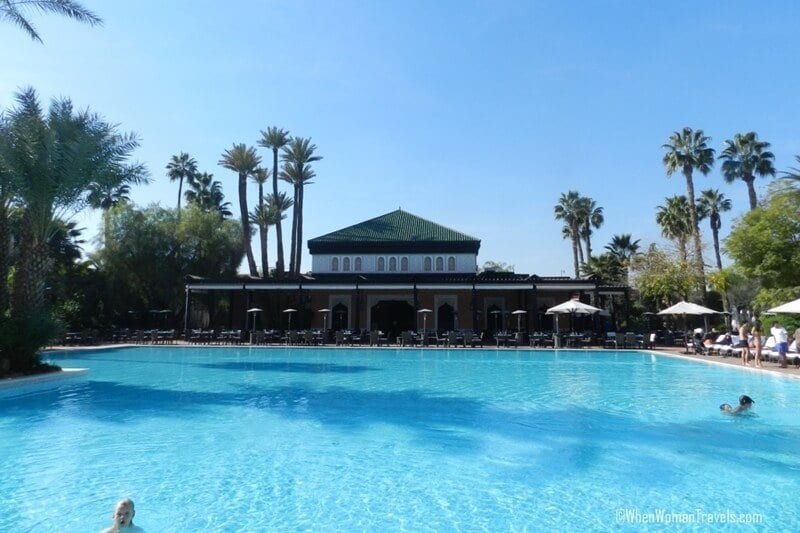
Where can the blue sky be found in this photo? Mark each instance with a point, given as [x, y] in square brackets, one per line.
[475, 114]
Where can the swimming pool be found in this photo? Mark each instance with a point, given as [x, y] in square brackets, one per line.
[247, 439]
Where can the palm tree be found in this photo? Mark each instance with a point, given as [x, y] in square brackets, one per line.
[275, 139]
[590, 216]
[13, 10]
[568, 210]
[182, 167]
[243, 160]
[266, 215]
[260, 176]
[744, 158]
[607, 267]
[292, 174]
[709, 205]
[623, 248]
[793, 175]
[51, 160]
[6, 199]
[675, 222]
[206, 192]
[104, 197]
[688, 151]
[298, 155]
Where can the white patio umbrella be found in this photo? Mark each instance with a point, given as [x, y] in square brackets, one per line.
[688, 308]
[254, 310]
[572, 307]
[290, 311]
[519, 313]
[790, 307]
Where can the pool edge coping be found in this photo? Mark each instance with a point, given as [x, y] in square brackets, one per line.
[50, 377]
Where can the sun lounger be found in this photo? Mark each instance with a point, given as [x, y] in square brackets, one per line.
[719, 344]
[611, 340]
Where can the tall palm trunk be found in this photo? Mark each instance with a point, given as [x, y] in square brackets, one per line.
[682, 251]
[293, 248]
[180, 192]
[716, 224]
[575, 246]
[279, 267]
[262, 233]
[588, 239]
[298, 255]
[32, 267]
[750, 179]
[5, 259]
[248, 247]
[698, 246]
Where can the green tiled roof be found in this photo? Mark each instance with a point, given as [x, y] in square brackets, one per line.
[395, 227]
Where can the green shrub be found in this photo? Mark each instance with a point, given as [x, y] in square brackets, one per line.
[22, 338]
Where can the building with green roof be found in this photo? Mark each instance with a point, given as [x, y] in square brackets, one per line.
[394, 273]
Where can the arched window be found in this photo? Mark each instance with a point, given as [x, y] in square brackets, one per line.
[335, 264]
[428, 264]
[346, 264]
[404, 264]
[451, 264]
[439, 264]
[381, 264]
[392, 264]
[358, 264]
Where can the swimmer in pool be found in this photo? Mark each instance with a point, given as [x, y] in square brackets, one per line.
[123, 518]
[745, 403]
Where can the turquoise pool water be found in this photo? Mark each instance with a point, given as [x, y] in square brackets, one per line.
[239, 439]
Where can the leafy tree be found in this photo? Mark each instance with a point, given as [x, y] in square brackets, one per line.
[496, 266]
[765, 243]
[182, 167]
[673, 217]
[688, 151]
[15, 11]
[150, 252]
[709, 205]
[206, 192]
[276, 139]
[661, 278]
[744, 157]
[568, 211]
[243, 160]
[298, 156]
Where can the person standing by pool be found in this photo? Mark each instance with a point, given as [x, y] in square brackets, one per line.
[744, 330]
[781, 342]
[123, 515]
[757, 331]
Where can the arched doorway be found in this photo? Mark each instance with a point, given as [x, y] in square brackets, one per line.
[494, 316]
[339, 316]
[392, 317]
[446, 317]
